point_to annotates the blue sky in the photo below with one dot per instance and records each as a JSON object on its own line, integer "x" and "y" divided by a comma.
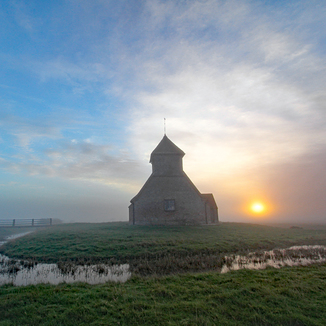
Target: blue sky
{"x": 85, "y": 85}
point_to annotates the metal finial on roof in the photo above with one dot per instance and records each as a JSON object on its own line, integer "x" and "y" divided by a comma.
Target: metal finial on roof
{"x": 164, "y": 126}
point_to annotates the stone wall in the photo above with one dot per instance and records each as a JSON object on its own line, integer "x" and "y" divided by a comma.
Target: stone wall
{"x": 148, "y": 206}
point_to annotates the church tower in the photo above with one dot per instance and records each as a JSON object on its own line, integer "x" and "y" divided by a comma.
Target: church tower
{"x": 169, "y": 197}
{"x": 166, "y": 159}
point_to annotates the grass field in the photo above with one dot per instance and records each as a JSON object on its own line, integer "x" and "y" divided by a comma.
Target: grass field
{"x": 287, "y": 296}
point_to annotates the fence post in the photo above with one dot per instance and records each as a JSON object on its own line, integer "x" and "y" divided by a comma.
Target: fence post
{"x": 13, "y": 222}
{"x": 50, "y": 221}
{"x": 32, "y": 222}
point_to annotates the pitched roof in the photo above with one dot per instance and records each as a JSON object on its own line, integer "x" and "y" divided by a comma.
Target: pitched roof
{"x": 210, "y": 199}
{"x": 166, "y": 146}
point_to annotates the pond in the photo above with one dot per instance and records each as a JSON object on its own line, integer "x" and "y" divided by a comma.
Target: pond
{"x": 23, "y": 272}
{"x": 293, "y": 256}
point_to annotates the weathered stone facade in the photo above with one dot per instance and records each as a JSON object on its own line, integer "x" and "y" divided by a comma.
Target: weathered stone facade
{"x": 169, "y": 197}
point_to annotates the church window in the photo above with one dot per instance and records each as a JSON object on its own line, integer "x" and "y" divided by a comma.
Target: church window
{"x": 169, "y": 205}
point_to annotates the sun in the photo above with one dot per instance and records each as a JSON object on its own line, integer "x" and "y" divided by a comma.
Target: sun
{"x": 257, "y": 207}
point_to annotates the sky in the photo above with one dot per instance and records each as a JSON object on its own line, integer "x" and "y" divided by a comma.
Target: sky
{"x": 85, "y": 87}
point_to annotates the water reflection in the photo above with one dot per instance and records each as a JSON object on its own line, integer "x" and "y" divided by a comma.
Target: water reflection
{"x": 13, "y": 236}
{"x": 19, "y": 273}
{"x": 293, "y": 256}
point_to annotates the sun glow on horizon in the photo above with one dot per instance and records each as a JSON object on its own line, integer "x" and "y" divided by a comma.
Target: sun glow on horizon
{"x": 257, "y": 207}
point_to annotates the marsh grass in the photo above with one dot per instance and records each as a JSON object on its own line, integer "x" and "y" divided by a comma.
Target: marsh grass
{"x": 288, "y": 296}
{"x": 154, "y": 250}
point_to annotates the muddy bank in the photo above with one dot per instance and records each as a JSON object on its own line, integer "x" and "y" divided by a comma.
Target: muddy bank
{"x": 173, "y": 264}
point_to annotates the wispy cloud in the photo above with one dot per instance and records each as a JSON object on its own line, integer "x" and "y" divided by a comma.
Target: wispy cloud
{"x": 26, "y": 130}
{"x": 23, "y": 18}
{"x": 249, "y": 90}
{"x": 79, "y": 160}
{"x": 223, "y": 73}
{"x": 72, "y": 72}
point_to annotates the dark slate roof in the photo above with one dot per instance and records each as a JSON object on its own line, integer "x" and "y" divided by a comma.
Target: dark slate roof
{"x": 166, "y": 146}
{"x": 167, "y": 181}
{"x": 210, "y": 199}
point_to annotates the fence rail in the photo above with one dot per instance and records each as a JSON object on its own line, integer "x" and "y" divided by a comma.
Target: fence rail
{"x": 23, "y": 223}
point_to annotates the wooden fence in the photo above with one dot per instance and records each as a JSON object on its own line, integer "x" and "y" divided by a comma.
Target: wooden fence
{"x": 23, "y": 222}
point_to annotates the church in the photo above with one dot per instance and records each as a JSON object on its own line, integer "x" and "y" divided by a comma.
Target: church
{"x": 169, "y": 197}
